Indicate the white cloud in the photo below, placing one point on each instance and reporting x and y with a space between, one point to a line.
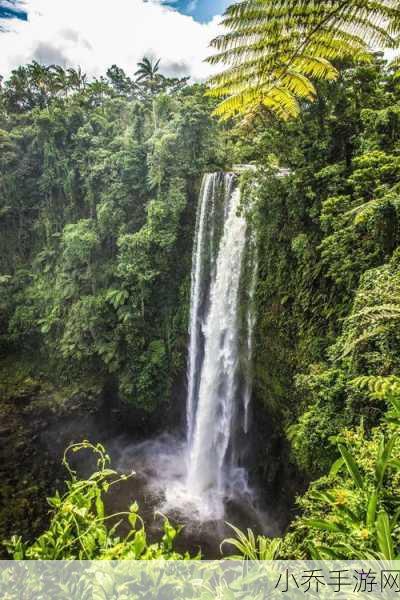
95 35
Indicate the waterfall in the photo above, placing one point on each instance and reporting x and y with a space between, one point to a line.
217 389
203 268
195 300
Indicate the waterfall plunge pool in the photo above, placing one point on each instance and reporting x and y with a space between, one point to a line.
159 487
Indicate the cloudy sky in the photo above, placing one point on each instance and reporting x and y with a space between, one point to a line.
97 33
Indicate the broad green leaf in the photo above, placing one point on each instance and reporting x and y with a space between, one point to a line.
323 525
351 466
385 452
99 505
385 541
371 511
336 467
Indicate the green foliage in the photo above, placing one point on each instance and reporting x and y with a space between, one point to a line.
251 547
327 344
147 69
361 229
353 511
273 51
80 529
328 236
98 190
312 437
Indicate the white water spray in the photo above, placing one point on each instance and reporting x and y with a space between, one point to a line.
214 366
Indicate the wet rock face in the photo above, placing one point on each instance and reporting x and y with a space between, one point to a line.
24 471
271 466
36 421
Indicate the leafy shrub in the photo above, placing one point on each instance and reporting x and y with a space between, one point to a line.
80 529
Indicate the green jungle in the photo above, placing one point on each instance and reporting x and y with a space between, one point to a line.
99 187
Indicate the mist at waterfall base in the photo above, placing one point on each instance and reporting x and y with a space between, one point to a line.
200 479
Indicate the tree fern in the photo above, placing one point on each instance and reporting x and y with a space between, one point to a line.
395 63
273 49
380 387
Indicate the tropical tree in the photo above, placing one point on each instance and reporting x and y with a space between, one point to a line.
59 82
122 84
273 50
17 91
76 79
148 69
30 86
98 90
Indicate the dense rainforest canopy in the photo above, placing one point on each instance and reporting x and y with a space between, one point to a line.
98 191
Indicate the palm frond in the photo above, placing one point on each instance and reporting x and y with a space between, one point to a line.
272 49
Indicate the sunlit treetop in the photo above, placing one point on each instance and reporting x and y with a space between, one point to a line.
273 49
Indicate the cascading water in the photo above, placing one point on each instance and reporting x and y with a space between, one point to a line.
215 381
196 479
203 269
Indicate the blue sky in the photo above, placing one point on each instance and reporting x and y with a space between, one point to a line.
201 10
10 9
